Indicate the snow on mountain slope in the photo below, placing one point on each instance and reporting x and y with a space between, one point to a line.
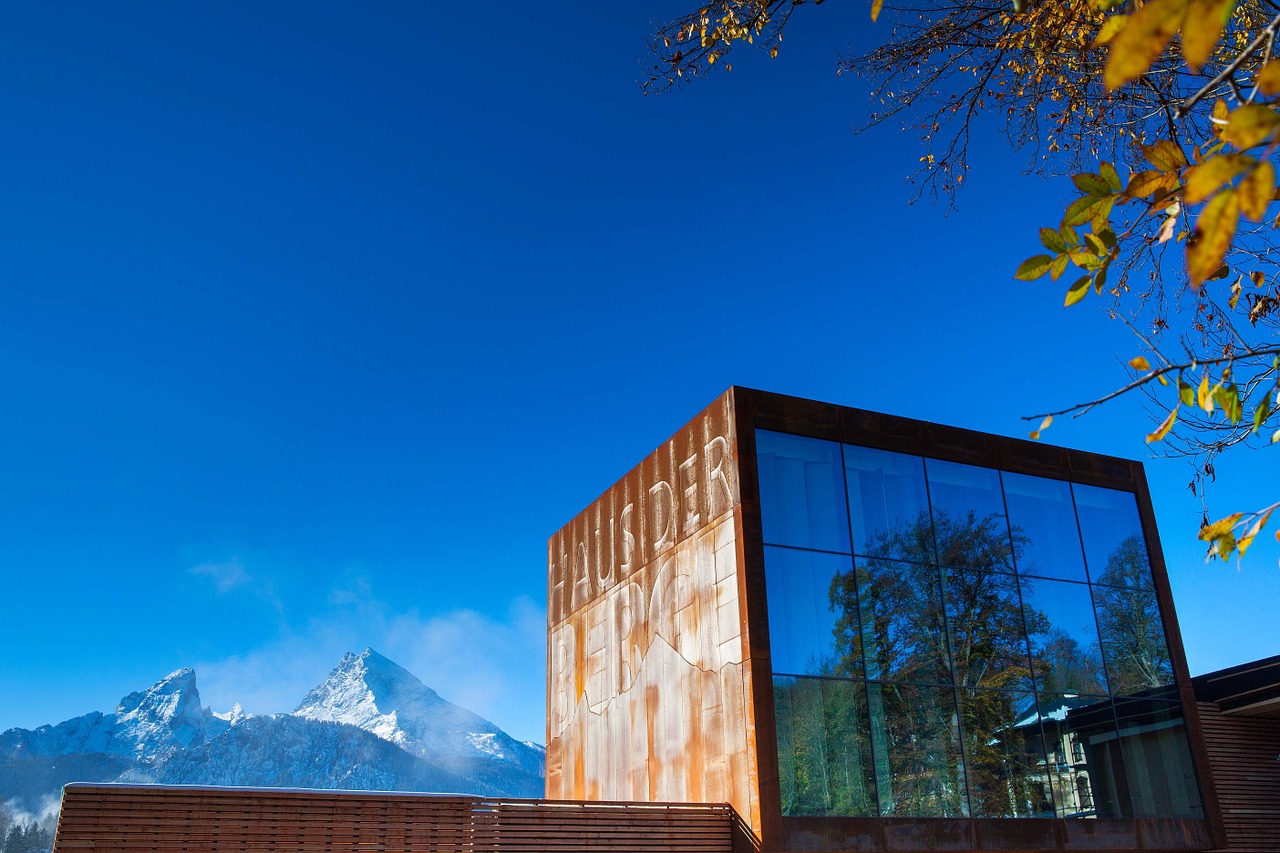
370 725
147 726
164 718
383 698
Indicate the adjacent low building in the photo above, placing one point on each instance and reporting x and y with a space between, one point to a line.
872 633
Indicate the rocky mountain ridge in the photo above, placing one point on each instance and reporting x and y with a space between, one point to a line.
371 725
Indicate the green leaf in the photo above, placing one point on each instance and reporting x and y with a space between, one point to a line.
1111 176
1058 267
1033 268
1095 244
1077 291
1101 218
1052 240
1089 209
1215 230
1079 210
1186 394
1228 399
1261 413
1094 185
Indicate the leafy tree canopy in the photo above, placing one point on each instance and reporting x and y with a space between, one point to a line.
1166 116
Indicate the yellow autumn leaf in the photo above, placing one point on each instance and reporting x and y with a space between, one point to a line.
1247 539
1143 184
1204 397
1256 191
1044 425
1147 33
1250 125
1108 30
1165 155
1204 22
876 6
1076 292
1222 526
1163 429
1203 180
1140 363
1268 79
1214 231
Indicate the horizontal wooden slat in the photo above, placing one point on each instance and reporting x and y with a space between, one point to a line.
1242 758
157 819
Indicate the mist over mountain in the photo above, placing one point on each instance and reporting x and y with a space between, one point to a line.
370 725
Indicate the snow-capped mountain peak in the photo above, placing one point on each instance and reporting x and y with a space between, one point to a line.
370 725
164 717
383 698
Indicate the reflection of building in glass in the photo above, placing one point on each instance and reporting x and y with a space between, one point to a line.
836 620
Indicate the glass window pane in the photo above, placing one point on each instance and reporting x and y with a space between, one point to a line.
1045 536
984 623
917 748
963 494
798 716
1083 766
889 504
903 626
824 747
1065 653
813 627
1004 754
1157 759
802 501
1133 642
1114 546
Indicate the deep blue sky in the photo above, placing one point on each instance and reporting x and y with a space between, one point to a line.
317 319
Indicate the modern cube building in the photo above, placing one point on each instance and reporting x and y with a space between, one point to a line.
872 633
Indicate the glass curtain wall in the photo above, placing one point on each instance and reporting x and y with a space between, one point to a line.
956 641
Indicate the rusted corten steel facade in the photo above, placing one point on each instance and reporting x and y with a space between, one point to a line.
660 669
649 696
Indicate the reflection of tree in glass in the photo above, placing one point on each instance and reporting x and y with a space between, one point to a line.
907 607
903 628
1129 622
1062 665
824 761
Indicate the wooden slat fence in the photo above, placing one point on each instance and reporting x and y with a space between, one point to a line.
1243 753
160 819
